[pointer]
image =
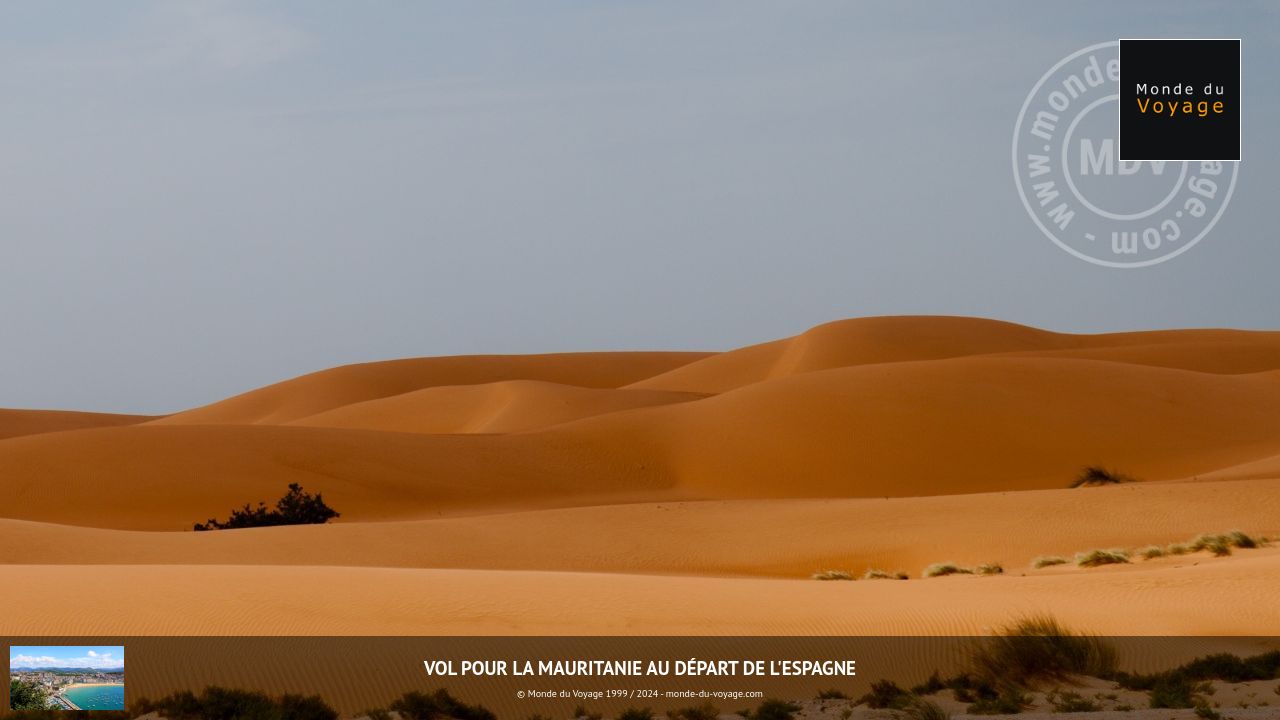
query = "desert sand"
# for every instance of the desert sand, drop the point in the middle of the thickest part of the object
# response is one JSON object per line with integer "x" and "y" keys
{"x": 673, "y": 493}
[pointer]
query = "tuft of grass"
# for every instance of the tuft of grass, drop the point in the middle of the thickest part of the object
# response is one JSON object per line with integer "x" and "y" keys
{"x": 886, "y": 694}
{"x": 1242, "y": 540}
{"x": 926, "y": 710}
{"x": 1219, "y": 545}
{"x": 1097, "y": 558}
{"x": 775, "y": 710}
{"x": 1151, "y": 552}
{"x": 832, "y": 694}
{"x": 1040, "y": 648}
{"x": 1009, "y": 702}
{"x": 1065, "y": 701}
{"x": 943, "y": 569}
{"x": 990, "y": 569}
{"x": 876, "y": 574}
{"x": 1178, "y": 549}
{"x": 1045, "y": 561}
{"x": 633, "y": 713}
{"x": 832, "y": 575}
{"x": 1095, "y": 475}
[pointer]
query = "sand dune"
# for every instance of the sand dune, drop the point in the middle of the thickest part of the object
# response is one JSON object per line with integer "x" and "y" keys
{"x": 865, "y": 341}
{"x": 502, "y": 407}
{"x": 328, "y": 389}
{"x": 764, "y": 538}
{"x": 648, "y": 493}
{"x": 945, "y": 427}
{"x": 17, "y": 423}
{"x": 270, "y": 600}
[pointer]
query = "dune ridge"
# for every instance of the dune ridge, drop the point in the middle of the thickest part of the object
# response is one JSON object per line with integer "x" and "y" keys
{"x": 528, "y": 494}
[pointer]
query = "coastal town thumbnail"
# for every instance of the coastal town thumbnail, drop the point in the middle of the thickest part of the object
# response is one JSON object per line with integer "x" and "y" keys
{"x": 66, "y": 677}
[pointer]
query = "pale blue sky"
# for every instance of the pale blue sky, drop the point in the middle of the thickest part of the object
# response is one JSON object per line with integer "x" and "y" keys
{"x": 96, "y": 657}
{"x": 203, "y": 197}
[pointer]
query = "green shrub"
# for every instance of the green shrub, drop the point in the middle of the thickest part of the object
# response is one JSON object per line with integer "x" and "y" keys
{"x": 27, "y": 696}
{"x": 295, "y": 508}
{"x": 886, "y": 694}
{"x": 1151, "y": 552}
{"x": 1039, "y": 648}
{"x": 1207, "y": 713}
{"x": 1009, "y": 702}
{"x": 439, "y": 704}
{"x": 876, "y": 574}
{"x": 1173, "y": 691}
{"x": 832, "y": 694}
{"x": 1094, "y": 475}
{"x": 946, "y": 568}
{"x": 1045, "y": 561}
{"x": 934, "y": 684}
{"x": 926, "y": 710}
{"x": 775, "y": 710}
{"x": 1096, "y": 558}
{"x": 1064, "y": 701}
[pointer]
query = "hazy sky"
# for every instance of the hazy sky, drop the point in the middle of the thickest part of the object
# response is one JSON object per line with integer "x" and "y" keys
{"x": 203, "y": 197}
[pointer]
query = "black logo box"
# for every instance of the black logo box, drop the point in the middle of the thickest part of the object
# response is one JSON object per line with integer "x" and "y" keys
{"x": 1186, "y": 66}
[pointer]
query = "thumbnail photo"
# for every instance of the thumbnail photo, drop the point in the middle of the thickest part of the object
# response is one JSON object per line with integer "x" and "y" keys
{"x": 66, "y": 677}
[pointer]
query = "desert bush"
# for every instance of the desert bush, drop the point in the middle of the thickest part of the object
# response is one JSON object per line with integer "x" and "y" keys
{"x": 1219, "y": 545}
{"x": 218, "y": 703}
{"x": 1178, "y": 549}
{"x": 1094, "y": 475}
{"x": 1039, "y": 648}
{"x": 1242, "y": 540}
{"x": 935, "y": 684}
{"x": 876, "y": 574}
{"x": 925, "y": 710}
{"x": 946, "y": 568}
{"x": 990, "y": 569}
{"x": 1064, "y": 701}
{"x": 1207, "y": 713}
{"x": 295, "y": 508}
{"x": 437, "y": 705}
{"x": 832, "y": 575}
{"x": 1045, "y": 561}
{"x": 886, "y": 694}
{"x": 582, "y": 713}
{"x": 636, "y": 714}
{"x": 27, "y": 696}
{"x": 1173, "y": 691}
{"x": 832, "y": 694}
{"x": 1009, "y": 702}
{"x": 775, "y": 710}
{"x": 1151, "y": 552}
{"x": 1096, "y": 558}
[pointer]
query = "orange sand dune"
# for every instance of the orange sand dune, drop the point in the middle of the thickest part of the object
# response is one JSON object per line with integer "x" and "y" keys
{"x": 328, "y": 389}
{"x": 503, "y": 407}
{"x": 768, "y": 538}
{"x": 962, "y": 425}
{"x": 16, "y": 423}
{"x": 865, "y": 341}
{"x": 165, "y": 477}
{"x": 272, "y": 600}
{"x": 652, "y": 493}
{"x": 942, "y": 427}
